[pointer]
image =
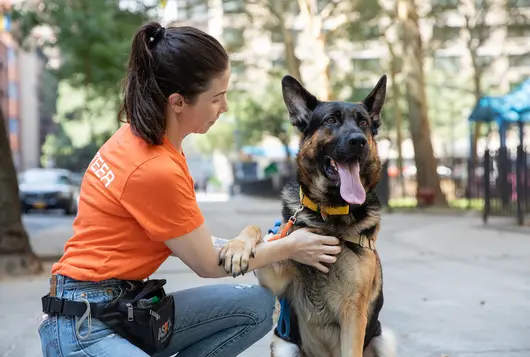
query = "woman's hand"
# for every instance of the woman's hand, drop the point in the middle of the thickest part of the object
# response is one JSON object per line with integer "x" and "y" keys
{"x": 312, "y": 249}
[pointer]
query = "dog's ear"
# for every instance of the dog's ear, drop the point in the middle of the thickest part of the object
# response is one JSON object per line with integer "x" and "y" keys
{"x": 374, "y": 103}
{"x": 300, "y": 103}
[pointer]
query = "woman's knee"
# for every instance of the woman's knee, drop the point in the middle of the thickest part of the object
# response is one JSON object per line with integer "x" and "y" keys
{"x": 262, "y": 304}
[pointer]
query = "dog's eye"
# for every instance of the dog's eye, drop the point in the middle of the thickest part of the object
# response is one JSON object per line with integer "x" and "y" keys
{"x": 363, "y": 122}
{"x": 331, "y": 120}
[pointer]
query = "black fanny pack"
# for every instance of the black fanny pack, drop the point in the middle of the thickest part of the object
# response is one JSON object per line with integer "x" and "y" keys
{"x": 144, "y": 315}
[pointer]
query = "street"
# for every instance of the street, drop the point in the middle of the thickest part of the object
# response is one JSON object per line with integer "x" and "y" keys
{"x": 452, "y": 286}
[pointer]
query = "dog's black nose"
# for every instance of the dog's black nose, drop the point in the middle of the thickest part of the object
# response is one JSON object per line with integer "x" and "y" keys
{"x": 351, "y": 145}
{"x": 357, "y": 141}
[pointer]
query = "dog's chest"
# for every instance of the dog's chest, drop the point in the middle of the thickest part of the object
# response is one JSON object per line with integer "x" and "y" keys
{"x": 319, "y": 292}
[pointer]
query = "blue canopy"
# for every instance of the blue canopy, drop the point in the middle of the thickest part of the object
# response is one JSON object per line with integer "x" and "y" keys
{"x": 510, "y": 108}
{"x": 274, "y": 151}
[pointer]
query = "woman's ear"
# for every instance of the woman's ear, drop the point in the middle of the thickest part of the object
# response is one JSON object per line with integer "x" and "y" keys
{"x": 176, "y": 101}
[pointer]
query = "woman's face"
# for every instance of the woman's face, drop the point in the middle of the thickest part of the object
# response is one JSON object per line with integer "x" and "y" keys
{"x": 200, "y": 116}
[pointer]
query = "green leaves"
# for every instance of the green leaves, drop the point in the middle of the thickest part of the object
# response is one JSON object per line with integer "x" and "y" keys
{"x": 93, "y": 38}
{"x": 251, "y": 117}
{"x": 262, "y": 113}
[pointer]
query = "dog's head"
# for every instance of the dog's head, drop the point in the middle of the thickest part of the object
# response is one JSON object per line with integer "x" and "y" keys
{"x": 338, "y": 160}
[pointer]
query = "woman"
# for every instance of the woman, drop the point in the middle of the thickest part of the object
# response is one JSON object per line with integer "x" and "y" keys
{"x": 137, "y": 207}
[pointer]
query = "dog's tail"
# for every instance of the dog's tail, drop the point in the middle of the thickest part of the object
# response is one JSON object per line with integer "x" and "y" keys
{"x": 384, "y": 345}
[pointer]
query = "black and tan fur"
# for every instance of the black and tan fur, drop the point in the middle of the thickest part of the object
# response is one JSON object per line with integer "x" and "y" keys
{"x": 336, "y": 312}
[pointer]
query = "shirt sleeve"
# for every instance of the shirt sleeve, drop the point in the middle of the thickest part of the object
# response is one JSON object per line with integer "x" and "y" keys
{"x": 162, "y": 199}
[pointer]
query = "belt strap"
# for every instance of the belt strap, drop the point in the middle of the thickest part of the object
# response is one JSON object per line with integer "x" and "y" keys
{"x": 53, "y": 305}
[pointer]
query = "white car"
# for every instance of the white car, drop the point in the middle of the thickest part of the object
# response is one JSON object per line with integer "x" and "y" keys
{"x": 48, "y": 189}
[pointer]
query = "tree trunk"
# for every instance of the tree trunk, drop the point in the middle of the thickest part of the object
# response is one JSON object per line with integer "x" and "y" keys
{"x": 314, "y": 32}
{"x": 16, "y": 255}
{"x": 477, "y": 84}
{"x": 292, "y": 62}
{"x": 325, "y": 65}
{"x": 284, "y": 139}
{"x": 427, "y": 177}
{"x": 396, "y": 95}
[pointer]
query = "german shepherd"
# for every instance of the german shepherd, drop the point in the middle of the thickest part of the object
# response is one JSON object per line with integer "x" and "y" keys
{"x": 333, "y": 314}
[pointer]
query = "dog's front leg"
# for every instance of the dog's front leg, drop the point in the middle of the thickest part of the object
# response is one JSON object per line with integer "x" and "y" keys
{"x": 276, "y": 277}
{"x": 236, "y": 253}
{"x": 353, "y": 320}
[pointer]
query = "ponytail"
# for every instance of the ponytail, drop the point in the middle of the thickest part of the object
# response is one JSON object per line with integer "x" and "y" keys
{"x": 143, "y": 102}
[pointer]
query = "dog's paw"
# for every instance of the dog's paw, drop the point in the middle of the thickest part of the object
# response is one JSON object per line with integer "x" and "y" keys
{"x": 236, "y": 253}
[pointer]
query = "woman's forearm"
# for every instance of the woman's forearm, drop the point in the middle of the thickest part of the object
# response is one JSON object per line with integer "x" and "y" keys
{"x": 199, "y": 250}
{"x": 266, "y": 254}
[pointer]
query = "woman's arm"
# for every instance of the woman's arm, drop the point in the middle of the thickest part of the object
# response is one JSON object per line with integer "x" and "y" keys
{"x": 217, "y": 243}
{"x": 197, "y": 251}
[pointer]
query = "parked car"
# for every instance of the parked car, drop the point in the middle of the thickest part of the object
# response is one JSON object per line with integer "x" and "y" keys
{"x": 48, "y": 189}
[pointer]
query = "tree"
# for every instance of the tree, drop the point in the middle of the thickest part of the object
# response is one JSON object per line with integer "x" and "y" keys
{"x": 16, "y": 255}
{"x": 479, "y": 27}
{"x": 318, "y": 25}
{"x": 93, "y": 38}
{"x": 219, "y": 137}
{"x": 263, "y": 113}
{"x": 278, "y": 8}
{"x": 412, "y": 50}
{"x": 252, "y": 115}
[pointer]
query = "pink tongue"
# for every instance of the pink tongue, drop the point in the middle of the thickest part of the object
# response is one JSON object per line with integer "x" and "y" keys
{"x": 351, "y": 189}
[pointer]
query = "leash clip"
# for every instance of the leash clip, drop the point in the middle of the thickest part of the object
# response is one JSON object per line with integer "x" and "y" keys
{"x": 288, "y": 225}
{"x": 298, "y": 210}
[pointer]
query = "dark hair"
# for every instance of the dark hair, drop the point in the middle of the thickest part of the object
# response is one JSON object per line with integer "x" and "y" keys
{"x": 163, "y": 61}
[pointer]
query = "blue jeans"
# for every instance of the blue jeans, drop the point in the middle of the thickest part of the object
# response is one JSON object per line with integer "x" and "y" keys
{"x": 216, "y": 320}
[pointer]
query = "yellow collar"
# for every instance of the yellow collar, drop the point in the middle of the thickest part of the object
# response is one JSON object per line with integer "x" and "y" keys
{"x": 329, "y": 210}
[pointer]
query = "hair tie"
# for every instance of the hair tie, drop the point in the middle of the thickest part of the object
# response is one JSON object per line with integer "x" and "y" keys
{"x": 159, "y": 33}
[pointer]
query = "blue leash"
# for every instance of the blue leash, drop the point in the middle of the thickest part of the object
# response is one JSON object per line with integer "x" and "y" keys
{"x": 284, "y": 321}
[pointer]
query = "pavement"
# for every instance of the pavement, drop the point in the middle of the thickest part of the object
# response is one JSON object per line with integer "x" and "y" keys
{"x": 453, "y": 287}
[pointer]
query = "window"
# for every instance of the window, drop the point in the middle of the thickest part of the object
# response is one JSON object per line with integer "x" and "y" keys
{"x": 366, "y": 65}
{"x": 13, "y": 126}
{"x": 447, "y": 63}
{"x": 12, "y": 91}
{"x": 233, "y": 6}
{"x": 452, "y": 3}
{"x": 519, "y": 60}
{"x": 485, "y": 61}
{"x": 279, "y": 63}
{"x": 514, "y": 85}
{"x": 445, "y": 33}
{"x": 238, "y": 67}
{"x": 44, "y": 176}
{"x": 192, "y": 10}
{"x": 63, "y": 179}
{"x": 233, "y": 37}
{"x": 518, "y": 3}
{"x": 11, "y": 55}
{"x": 443, "y": 5}
{"x": 518, "y": 31}
{"x": 276, "y": 35}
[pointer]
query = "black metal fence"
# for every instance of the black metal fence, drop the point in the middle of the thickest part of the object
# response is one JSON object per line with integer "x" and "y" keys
{"x": 505, "y": 183}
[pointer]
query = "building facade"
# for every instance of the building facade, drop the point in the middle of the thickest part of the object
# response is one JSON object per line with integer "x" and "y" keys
{"x": 9, "y": 85}
{"x": 27, "y": 106}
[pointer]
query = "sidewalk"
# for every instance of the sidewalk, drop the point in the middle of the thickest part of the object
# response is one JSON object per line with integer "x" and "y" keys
{"x": 452, "y": 286}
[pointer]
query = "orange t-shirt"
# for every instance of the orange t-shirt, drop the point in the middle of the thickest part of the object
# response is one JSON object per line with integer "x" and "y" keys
{"x": 134, "y": 196}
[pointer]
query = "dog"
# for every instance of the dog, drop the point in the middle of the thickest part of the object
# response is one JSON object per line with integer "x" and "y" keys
{"x": 333, "y": 314}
